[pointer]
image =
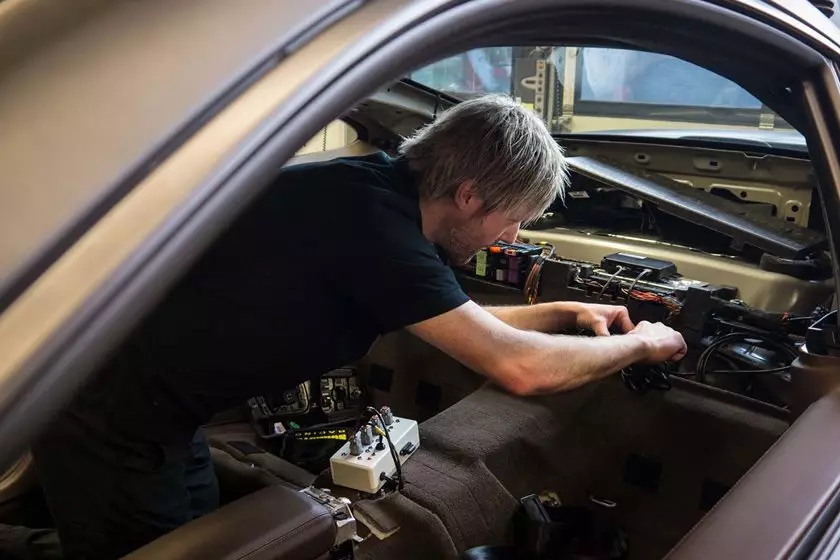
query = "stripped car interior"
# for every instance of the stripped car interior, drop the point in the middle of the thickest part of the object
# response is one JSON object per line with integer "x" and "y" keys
{"x": 715, "y": 224}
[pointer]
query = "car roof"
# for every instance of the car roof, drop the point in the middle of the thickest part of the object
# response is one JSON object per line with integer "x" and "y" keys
{"x": 810, "y": 15}
{"x": 94, "y": 87}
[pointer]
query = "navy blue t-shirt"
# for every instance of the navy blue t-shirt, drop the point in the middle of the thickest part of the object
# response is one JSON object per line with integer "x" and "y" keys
{"x": 331, "y": 256}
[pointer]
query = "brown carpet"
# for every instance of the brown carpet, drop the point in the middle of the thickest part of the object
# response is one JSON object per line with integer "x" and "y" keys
{"x": 662, "y": 458}
{"x": 421, "y": 534}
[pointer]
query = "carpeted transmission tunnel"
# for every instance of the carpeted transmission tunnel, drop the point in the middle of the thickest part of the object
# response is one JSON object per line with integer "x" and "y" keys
{"x": 662, "y": 459}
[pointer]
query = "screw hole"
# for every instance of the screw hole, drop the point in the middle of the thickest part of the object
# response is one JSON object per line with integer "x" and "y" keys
{"x": 794, "y": 208}
{"x": 743, "y": 194}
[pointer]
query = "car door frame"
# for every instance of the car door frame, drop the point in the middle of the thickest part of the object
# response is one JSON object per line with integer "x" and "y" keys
{"x": 65, "y": 323}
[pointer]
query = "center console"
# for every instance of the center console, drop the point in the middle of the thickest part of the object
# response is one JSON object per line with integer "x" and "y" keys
{"x": 335, "y": 397}
{"x": 306, "y": 424}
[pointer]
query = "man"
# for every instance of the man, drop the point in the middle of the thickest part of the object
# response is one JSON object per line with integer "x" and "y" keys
{"x": 330, "y": 257}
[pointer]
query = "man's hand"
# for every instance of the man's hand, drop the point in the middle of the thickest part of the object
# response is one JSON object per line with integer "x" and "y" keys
{"x": 664, "y": 343}
{"x": 599, "y": 318}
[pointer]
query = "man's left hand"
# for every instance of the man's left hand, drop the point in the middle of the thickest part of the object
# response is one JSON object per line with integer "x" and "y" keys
{"x": 600, "y": 318}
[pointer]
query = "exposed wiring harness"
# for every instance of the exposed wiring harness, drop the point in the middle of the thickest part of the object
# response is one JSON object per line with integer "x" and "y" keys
{"x": 640, "y": 378}
{"x": 673, "y": 305}
{"x": 718, "y": 343}
{"x": 532, "y": 282}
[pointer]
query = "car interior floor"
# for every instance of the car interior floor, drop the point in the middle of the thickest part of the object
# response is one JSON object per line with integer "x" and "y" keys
{"x": 657, "y": 462}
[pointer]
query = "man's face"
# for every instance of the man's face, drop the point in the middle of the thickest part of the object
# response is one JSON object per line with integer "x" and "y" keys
{"x": 468, "y": 227}
{"x": 470, "y": 235}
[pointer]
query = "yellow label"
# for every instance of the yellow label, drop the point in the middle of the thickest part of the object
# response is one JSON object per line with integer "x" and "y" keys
{"x": 326, "y": 434}
{"x": 320, "y": 437}
{"x": 481, "y": 263}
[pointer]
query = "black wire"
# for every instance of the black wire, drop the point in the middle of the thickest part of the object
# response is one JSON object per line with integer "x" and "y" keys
{"x": 705, "y": 356}
{"x": 640, "y": 378}
{"x": 393, "y": 449}
{"x": 703, "y": 360}
{"x": 729, "y": 361}
{"x": 771, "y": 370}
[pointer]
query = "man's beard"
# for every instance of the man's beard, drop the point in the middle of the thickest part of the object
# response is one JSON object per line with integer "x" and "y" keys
{"x": 461, "y": 245}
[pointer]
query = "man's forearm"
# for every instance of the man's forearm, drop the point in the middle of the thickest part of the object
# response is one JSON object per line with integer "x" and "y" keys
{"x": 549, "y": 317}
{"x": 528, "y": 362}
{"x": 551, "y": 363}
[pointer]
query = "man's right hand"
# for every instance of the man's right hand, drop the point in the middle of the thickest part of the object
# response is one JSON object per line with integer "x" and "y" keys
{"x": 664, "y": 343}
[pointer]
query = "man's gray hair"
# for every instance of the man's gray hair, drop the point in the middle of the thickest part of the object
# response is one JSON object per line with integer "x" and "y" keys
{"x": 504, "y": 148}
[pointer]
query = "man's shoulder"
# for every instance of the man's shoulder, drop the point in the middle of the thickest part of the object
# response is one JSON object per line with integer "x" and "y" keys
{"x": 349, "y": 186}
{"x": 376, "y": 169}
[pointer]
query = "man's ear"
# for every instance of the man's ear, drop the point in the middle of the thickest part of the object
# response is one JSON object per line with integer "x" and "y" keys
{"x": 467, "y": 199}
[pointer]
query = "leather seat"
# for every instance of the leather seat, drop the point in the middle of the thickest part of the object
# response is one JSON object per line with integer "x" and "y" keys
{"x": 243, "y": 468}
{"x": 275, "y": 522}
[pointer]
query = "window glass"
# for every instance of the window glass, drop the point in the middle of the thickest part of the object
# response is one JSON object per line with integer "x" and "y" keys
{"x": 615, "y": 75}
{"x": 475, "y": 72}
{"x": 594, "y": 89}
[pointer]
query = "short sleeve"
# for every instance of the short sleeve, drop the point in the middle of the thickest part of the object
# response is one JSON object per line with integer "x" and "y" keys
{"x": 389, "y": 270}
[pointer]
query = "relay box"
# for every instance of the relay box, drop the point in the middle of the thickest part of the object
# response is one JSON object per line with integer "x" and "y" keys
{"x": 636, "y": 264}
{"x": 507, "y": 263}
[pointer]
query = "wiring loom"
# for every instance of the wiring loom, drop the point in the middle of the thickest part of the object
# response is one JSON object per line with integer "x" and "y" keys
{"x": 671, "y": 303}
{"x": 711, "y": 349}
{"x": 532, "y": 283}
